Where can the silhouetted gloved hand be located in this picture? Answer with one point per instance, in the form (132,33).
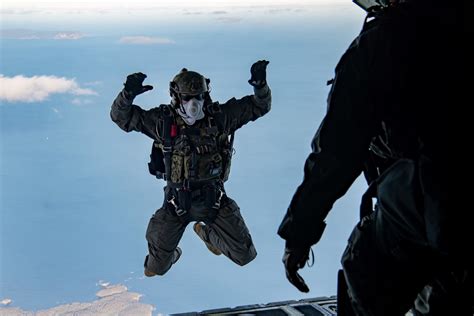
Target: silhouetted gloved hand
(259,74)
(134,85)
(295,259)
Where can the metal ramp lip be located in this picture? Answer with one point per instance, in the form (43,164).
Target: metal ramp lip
(289,307)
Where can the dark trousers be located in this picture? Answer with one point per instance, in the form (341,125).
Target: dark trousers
(450,293)
(227,232)
(390,256)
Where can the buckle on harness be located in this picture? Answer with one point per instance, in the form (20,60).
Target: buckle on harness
(178,211)
(217,204)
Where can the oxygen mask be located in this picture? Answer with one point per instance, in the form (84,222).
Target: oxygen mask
(191,108)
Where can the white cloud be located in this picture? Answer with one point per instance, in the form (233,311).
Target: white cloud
(187,12)
(104,284)
(93,83)
(78,101)
(20,11)
(25,34)
(145,40)
(38,88)
(229,19)
(5,301)
(68,36)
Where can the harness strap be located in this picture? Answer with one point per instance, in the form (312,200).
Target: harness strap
(167,140)
(366,205)
(180,199)
(227,160)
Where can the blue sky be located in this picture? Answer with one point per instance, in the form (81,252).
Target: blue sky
(75,195)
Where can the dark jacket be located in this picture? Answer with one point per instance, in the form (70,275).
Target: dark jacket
(394,82)
(234,114)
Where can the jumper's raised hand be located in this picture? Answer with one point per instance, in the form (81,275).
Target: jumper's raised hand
(259,73)
(134,84)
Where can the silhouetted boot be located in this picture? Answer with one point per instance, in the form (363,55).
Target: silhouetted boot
(198,228)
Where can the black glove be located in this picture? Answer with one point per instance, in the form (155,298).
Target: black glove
(259,74)
(134,85)
(295,259)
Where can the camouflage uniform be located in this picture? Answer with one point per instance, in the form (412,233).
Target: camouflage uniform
(225,229)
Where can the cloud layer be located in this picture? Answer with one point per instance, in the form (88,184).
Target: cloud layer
(145,40)
(25,34)
(37,88)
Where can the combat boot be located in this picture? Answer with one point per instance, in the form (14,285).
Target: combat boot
(198,228)
(176,255)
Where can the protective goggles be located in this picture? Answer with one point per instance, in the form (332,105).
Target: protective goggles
(187,97)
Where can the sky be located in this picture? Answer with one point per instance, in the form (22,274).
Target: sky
(75,195)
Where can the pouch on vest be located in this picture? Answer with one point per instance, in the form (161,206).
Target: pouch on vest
(156,166)
(177,166)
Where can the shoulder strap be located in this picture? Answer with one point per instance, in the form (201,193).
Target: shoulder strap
(168,120)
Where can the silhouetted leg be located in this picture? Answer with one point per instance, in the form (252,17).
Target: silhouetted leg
(163,235)
(387,261)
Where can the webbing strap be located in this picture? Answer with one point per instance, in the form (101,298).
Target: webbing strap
(366,205)
(167,141)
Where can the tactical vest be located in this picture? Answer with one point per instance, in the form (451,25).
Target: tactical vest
(200,152)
